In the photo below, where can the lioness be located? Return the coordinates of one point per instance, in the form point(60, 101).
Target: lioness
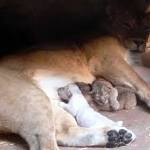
point(49, 70)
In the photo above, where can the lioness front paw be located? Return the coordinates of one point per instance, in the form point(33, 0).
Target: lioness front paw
point(119, 138)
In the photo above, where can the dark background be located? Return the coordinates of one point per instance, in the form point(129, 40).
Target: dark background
point(26, 23)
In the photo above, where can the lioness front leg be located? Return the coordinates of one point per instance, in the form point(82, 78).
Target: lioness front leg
point(121, 73)
point(109, 61)
point(107, 58)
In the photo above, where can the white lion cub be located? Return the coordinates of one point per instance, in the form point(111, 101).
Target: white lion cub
point(81, 110)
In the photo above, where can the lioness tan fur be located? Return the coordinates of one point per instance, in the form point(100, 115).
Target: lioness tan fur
point(104, 57)
point(49, 70)
point(26, 110)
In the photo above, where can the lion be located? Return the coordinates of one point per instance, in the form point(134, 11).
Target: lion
point(47, 71)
